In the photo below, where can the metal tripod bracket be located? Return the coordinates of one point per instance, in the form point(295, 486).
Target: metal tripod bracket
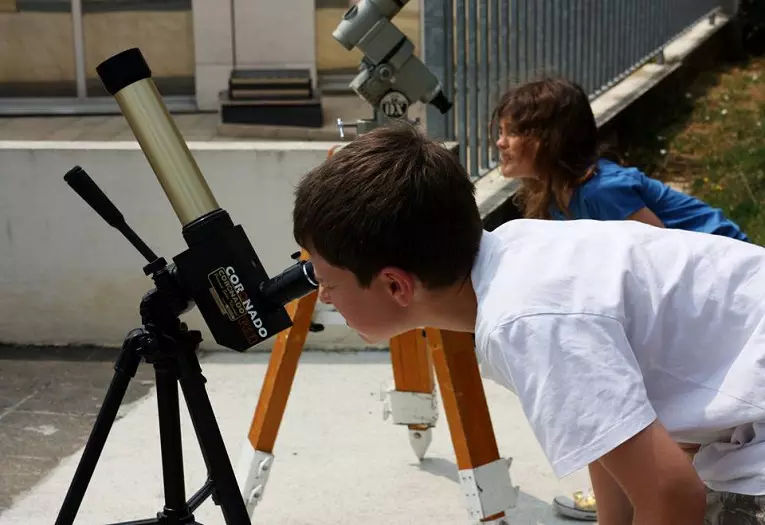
point(394, 106)
point(365, 125)
point(488, 490)
point(252, 474)
point(409, 408)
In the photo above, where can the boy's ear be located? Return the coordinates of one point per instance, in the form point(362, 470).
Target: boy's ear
point(399, 284)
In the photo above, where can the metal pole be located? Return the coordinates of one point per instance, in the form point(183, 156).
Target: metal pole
point(79, 50)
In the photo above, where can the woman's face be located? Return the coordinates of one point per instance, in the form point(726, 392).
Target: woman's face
point(516, 155)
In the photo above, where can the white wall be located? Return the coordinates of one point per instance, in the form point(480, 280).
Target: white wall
point(213, 50)
point(275, 35)
point(249, 34)
point(68, 277)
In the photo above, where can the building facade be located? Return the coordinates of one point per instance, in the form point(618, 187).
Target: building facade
point(49, 49)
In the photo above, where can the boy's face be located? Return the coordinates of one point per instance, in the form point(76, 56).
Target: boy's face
point(376, 313)
point(516, 154)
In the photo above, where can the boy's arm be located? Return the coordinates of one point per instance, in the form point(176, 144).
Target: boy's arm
point(614, 508)
point(658, 478)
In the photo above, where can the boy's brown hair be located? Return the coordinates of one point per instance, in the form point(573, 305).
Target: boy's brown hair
point(391, 197)
point(556, 114)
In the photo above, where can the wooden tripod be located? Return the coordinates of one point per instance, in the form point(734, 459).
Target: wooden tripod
point(484, 476)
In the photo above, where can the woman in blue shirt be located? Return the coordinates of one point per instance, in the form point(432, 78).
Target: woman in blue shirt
point(548, 141)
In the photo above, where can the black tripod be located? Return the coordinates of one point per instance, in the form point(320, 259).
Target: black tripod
point(170, 347)
point(165, 342)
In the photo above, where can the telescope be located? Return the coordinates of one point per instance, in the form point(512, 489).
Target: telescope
point(391, 78)
point(220, 273)
point(220, 269)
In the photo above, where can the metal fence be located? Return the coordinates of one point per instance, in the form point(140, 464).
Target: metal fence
point(479, 47)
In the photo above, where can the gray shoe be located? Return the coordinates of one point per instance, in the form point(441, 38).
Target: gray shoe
point(582, 508)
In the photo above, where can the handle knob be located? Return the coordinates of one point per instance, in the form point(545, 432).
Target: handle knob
point(341, 125)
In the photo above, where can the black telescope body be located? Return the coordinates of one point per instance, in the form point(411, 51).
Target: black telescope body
point(220, 270)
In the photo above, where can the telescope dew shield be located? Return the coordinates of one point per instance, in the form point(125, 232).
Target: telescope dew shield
point(220, 270)
point(127, 77)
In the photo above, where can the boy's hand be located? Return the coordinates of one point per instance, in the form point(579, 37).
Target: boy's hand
point(658, 478)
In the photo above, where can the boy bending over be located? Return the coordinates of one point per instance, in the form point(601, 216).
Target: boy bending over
point(626, 344)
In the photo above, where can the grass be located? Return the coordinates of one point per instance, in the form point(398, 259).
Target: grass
point(709, 139)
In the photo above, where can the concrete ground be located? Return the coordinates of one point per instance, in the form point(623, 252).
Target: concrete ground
point(337, 462)
point(48, 402)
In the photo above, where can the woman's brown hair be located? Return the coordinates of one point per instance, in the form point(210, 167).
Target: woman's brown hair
point(555, 115)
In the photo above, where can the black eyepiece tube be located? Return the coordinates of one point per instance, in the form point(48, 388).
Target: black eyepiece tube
point(293, 283)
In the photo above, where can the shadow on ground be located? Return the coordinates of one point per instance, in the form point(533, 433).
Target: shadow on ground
point(49, 399)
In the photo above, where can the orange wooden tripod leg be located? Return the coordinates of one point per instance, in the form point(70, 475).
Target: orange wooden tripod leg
point(257, 454)
point(484, 476)
point(412, 400)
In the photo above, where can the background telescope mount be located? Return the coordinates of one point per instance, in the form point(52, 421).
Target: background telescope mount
point(391, 78)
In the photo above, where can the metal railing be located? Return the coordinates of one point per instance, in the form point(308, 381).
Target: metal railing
point(480, 47)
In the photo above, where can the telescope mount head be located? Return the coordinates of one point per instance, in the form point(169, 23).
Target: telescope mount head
point(391, 78)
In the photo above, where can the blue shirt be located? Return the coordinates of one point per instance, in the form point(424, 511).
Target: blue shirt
point(616, 192)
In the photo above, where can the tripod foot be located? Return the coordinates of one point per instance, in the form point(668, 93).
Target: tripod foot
point(420, 440)
point(488, 491)
point(417, 410)
point(252, 474)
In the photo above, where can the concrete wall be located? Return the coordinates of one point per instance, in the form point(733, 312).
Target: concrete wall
point(213, 50)
point(249, 34)
point(67, 277)
point(37, 46)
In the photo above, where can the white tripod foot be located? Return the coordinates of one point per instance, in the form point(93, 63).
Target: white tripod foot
point(412, 408)
point(488, 490)
point(420, 441)
point(252, 474)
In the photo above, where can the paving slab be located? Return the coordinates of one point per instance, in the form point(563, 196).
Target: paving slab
point(49, 398)
point(337, 462)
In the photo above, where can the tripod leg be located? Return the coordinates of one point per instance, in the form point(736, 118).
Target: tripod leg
point(124, 370)
point(412, 400)
point(484, 476)
point(257, 452)
point(166, 373)
point(210, 439)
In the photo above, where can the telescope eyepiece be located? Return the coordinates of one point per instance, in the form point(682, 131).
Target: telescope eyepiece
point(294, 282)
point(123, 69)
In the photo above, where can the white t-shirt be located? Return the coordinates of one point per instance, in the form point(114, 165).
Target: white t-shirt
point(600, 327)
